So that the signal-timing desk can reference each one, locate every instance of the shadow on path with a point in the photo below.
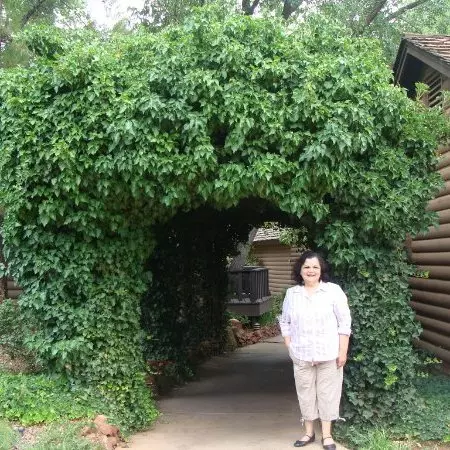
(243, 400)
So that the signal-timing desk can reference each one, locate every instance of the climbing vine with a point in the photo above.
(106, 142)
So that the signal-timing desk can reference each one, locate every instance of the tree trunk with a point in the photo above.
(238, 261)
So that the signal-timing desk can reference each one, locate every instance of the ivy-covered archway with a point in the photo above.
(104, 141)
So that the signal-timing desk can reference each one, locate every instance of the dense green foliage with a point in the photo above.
(183, 312)
(12, 330)
(385, 20)
(33, 399)
(106, 143)
(428, 422)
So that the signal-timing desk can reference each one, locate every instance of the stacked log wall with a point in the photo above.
(431, 253)
(279, 259)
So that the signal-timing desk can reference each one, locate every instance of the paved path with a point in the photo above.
(243, 400)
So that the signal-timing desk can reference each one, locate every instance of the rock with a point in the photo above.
(105, 428)
(236, 324)
(240, 335)
(111, 442)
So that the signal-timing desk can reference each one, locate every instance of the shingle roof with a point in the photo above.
(267, 234)
(438, 45)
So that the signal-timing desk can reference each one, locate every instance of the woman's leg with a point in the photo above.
(305, 384)
(329, 389)
(309, 428)
(326, 432)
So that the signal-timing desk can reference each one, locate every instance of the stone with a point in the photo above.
(112, 442)
(103, 427)
(236, 324)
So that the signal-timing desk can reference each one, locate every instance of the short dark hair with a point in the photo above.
(324, 270)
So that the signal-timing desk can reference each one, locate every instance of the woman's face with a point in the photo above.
(310, 271)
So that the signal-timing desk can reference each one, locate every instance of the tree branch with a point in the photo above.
(379, 5)
(405, 8)
(32, 11)
(248, 7)
(289, 7)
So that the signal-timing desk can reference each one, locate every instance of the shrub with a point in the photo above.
(33, 399)
(429, 421)
(13, 330)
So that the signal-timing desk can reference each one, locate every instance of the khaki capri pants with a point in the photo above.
(319, 389)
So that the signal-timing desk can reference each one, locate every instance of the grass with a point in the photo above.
(62, 436)
(37, 398)
(57, 436)
(8, 437)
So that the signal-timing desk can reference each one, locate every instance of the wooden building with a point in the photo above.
(277, 257)
(426, 59)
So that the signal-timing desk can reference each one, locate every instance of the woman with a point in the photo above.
(315, 324)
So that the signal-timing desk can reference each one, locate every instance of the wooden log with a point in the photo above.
(434, 312)
(431, 245)
(439, 204)
(445, 190)
(284, 276)
(441, 231)
(436, 272)
(445, 173)
(430, 285)
(439, 352)
(13, 293)
(282, 285)
(281, 282)
(436, 338)
(272, 258)
(444, 148)
(431, 298)
(11, 284)
(444, 216)
(433, 324)
(444, 160)
(280, 278)
(437, 259)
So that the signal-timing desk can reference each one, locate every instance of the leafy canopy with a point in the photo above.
(385, 20)
(105, 140)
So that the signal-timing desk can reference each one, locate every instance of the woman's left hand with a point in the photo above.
(341, 360)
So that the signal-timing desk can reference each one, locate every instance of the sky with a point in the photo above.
(105, 16)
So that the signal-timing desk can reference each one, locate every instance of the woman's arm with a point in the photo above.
(343, 349)
(344, 320)
(285, 321)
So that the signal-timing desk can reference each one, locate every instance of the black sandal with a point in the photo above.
(329, 446)
(303, 443)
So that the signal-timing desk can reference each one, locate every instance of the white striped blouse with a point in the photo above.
(314, 322)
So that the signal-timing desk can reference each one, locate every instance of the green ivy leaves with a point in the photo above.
(104, 138)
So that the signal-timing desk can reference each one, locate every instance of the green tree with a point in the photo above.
(386, 20)
(15, 15)
(111, 146)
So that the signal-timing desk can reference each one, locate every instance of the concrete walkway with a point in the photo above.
(244, 400)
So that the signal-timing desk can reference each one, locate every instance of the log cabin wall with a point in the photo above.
(279, 259)
(431, 253)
